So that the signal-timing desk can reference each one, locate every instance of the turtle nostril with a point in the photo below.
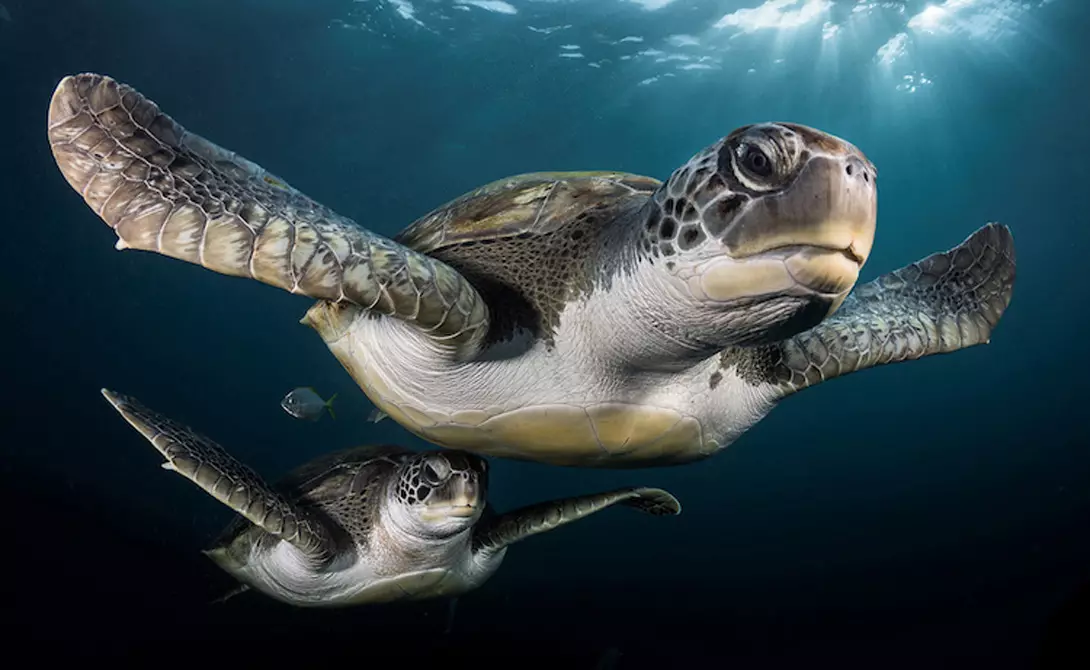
(857, 169)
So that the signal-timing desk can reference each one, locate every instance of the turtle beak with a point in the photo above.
(460, 499)
(854, 255)
(465, 496)
(462, 511)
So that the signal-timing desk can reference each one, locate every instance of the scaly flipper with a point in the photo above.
(206, 464)
(164, 189)
(238, 590)
(506, 529)
(943, 303)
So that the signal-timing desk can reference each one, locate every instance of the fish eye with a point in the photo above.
(756, 161)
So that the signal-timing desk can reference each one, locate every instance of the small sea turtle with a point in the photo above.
(576, 318)
(367, 524)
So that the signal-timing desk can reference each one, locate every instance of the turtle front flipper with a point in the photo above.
(207, 465)
(506, 529)
(942, 303)
(164, 189)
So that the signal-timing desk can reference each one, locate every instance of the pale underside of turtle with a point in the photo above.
(340, 530)
(596, 319)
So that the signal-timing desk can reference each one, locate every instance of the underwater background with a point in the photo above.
(931, 514)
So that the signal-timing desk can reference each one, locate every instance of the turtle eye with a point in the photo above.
(435, 471)
(756, 161)
(431, 477)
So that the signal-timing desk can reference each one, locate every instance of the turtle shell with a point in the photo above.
(339, 485)
(534, 203)
(529, 243)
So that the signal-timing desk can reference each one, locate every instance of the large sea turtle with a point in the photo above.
(367, 524)
(576, 318)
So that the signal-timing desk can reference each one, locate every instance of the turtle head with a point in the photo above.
(765, 231)
(440, 493)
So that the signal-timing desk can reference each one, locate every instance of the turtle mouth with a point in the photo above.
(459, 511)
(825, 270)
(849, 252)
(853, 255)
(462, 511)
(828, 271)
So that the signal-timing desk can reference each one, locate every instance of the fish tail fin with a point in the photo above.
(329, 406)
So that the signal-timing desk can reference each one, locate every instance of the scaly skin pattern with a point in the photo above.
(207, 465)
(166, 190)
(942, 303)
(515, 526)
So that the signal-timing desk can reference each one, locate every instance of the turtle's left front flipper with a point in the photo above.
(942, 303)
(206, 464)
(506, 529)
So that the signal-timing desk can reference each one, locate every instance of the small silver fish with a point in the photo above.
(305, 403)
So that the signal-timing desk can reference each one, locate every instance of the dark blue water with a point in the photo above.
(930, 514)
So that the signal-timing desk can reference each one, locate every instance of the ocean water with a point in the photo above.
(925, 514)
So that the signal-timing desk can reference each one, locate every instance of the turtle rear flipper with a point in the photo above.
(945, 302)
(238, 590)
(506, 529)
(164, 189)
(207, 465)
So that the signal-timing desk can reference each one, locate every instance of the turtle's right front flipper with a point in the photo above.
(206, 464)
(945, 302)
(164, 189)
(506, 529)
